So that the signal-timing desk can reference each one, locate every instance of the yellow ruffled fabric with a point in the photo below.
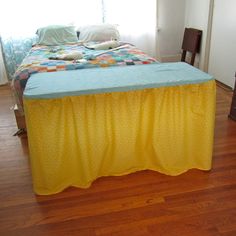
(74, 140)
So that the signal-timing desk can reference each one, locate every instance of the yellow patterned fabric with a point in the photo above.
(74, 140)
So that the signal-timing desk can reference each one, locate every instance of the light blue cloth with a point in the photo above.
(112, 79)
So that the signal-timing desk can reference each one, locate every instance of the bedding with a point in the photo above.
(101, 32)
(43, 59)
(104, 45)
(56, 35)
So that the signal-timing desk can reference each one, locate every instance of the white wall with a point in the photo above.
(218, 50)
(170, 22)
(222, 63)
(173, 17)
(196, 16)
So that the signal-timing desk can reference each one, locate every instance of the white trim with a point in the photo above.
(157, 52)
(208, 38)
(171, 58)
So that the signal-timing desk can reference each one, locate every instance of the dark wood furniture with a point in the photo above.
(191, 43)
(232, 113)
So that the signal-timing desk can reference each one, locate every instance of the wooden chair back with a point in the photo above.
(191, 43)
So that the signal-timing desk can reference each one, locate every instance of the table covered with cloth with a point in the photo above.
(117, 121)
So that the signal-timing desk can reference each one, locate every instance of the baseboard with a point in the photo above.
(224, 86)
(171, 58)
(4, 84)
(177, 57)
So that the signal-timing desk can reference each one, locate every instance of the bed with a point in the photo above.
(41, 59)
(111, 115)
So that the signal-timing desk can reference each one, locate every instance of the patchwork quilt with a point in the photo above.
(44, 59)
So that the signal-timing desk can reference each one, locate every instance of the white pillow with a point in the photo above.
(102, 32)
(56, 35)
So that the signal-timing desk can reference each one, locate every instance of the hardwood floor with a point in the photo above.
(144, 203)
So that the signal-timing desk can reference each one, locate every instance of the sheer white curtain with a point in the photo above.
(136, 22)
(23, 17)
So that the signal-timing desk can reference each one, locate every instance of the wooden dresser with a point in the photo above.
(232, 113)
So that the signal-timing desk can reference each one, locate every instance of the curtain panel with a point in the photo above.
(136, 22)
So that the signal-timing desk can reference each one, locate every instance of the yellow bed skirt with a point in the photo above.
(74, 140)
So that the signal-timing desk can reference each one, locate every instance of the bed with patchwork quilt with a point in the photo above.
(112, 112)
(42, 59)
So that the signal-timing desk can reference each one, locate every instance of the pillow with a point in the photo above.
(56, 35)
(102, 32)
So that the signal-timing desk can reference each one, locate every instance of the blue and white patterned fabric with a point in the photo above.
(14, 51)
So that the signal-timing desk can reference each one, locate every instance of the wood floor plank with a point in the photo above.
(143, 203)
(230, 233)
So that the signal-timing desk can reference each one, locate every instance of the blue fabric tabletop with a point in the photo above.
(112, 79)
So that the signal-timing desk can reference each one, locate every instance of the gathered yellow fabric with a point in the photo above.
(74, 140)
